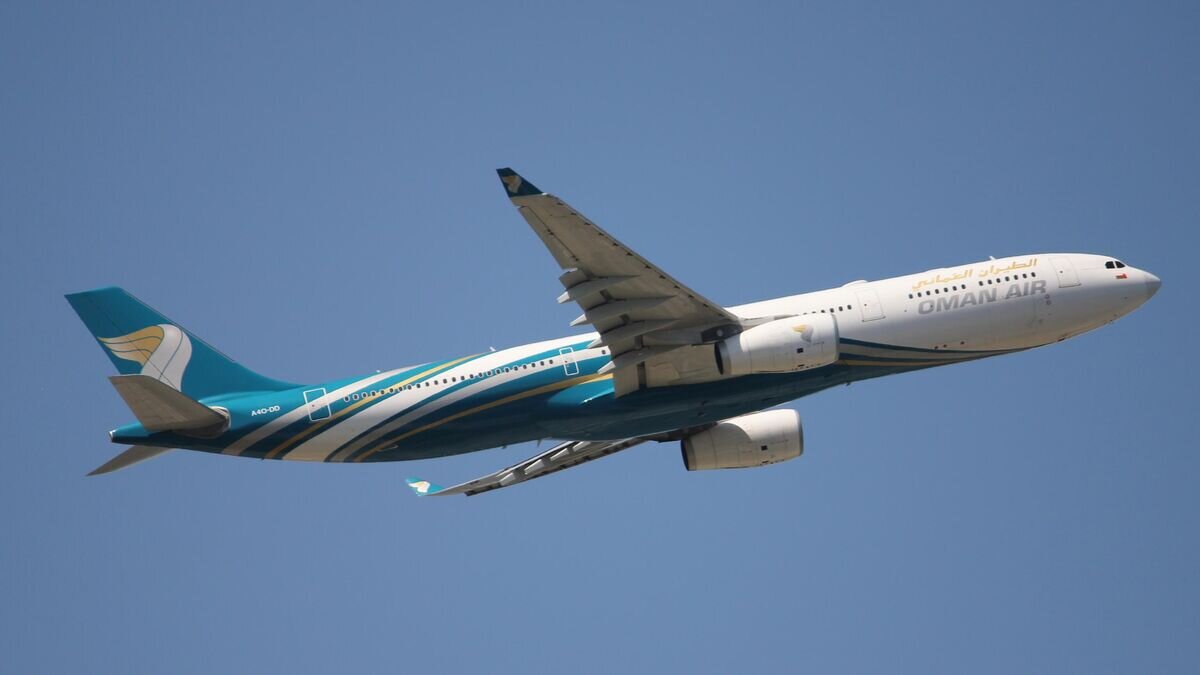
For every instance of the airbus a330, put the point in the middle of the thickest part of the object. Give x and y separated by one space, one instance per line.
663 363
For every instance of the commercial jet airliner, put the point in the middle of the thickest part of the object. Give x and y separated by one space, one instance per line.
664 363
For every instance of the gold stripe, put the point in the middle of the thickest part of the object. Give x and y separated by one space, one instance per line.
137 346
317 426
148 332
508 399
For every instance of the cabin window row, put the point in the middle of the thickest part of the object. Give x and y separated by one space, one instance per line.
451 380
1015 277
936 291
446 380
831 310
963 287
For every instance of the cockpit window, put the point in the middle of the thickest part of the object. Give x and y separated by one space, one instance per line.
1114 264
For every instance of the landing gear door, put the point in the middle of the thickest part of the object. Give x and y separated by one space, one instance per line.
1067 276
868 302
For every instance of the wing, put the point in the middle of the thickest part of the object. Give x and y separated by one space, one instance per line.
562 456
639 310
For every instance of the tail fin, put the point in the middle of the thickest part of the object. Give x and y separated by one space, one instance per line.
140 341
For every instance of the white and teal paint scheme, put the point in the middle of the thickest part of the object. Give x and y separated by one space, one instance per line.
663 363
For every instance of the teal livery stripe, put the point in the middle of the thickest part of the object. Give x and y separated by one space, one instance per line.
880 345
376 438
864 348
363 398
262 439
858 352
528 396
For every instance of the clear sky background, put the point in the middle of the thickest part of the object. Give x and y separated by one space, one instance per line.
311 188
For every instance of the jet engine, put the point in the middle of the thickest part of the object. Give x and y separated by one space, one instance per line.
756 439
780 346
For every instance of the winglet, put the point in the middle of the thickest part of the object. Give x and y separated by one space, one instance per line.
516 185
422 488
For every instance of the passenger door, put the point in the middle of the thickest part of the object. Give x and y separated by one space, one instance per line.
316 410
868 302
1067 276
570 367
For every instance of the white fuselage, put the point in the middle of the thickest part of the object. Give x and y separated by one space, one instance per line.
559 388
1002 304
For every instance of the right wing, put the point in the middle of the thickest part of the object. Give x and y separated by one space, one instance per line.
562 456
639 310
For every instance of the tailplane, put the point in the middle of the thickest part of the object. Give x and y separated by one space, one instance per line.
140 341
159 407
138 453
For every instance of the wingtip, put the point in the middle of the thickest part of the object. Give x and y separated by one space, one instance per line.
421 487
517 185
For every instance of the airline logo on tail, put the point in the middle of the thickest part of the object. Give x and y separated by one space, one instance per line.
163 352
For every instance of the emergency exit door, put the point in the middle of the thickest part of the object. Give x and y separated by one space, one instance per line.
868 302
1067 276
316 409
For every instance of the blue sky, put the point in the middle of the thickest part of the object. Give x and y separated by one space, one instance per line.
311 189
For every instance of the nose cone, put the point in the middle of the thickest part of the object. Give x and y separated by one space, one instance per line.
1153 283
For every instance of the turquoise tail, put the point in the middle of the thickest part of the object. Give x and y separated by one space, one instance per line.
140 341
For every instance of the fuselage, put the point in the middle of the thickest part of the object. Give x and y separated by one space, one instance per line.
557 389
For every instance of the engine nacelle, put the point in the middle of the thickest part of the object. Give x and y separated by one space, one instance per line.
756 439
780 346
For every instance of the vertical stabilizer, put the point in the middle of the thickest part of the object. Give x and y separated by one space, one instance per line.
140 341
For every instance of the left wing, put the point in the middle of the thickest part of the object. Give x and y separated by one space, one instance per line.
639 310
562 456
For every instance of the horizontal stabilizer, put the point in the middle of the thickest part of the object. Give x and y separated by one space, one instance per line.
159 407
423 487
138 453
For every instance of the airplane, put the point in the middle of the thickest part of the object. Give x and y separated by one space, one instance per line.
663 363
